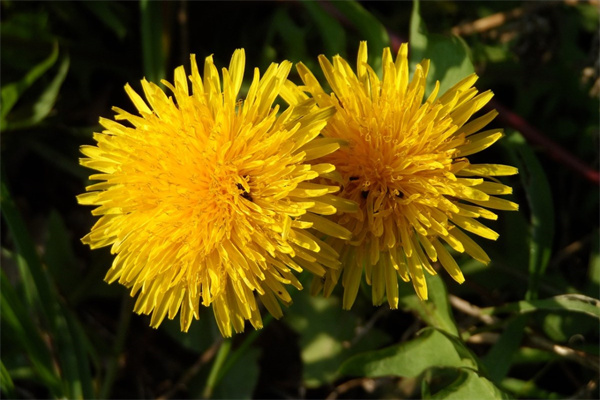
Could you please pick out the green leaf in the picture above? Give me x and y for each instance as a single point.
(39, 109)
(500, 357)
(153, 49)
(449, 55)
(327, 336)
(565, 302)
(467, 385)
(332, 33)
(432, 348)
(436, 311)
(539, 198)
(12, 92)
(239, 382)
(369, 27)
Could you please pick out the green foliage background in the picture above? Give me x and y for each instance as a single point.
(526, 326)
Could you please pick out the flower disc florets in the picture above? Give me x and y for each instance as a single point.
(404, 162)
(207, 198)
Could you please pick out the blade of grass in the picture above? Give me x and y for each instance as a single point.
(38, 293)
(418, 36)
(6, 383)
(17, 324)
(82, 346)
(153, 53)
(72, 358)
(111, 373)
(44, 103)
(12, 92)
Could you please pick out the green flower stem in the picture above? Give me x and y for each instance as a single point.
(241, 350)
(224, 361)
(214, 376)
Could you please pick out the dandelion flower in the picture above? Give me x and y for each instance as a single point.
(208, 199)
(404, 163)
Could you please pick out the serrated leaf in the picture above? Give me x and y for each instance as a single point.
(432, 348)
(541, 205)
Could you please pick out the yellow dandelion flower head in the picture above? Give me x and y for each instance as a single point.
(404, 163)
(208, 199)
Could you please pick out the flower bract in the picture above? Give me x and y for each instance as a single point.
(206, 199)
(404, 161)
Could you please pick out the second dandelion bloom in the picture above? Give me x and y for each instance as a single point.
(207, 199)
(404, 161)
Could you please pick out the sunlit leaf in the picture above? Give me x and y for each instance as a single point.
(449, 55)
(431, 348)
(327, 336)
(467, 385)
